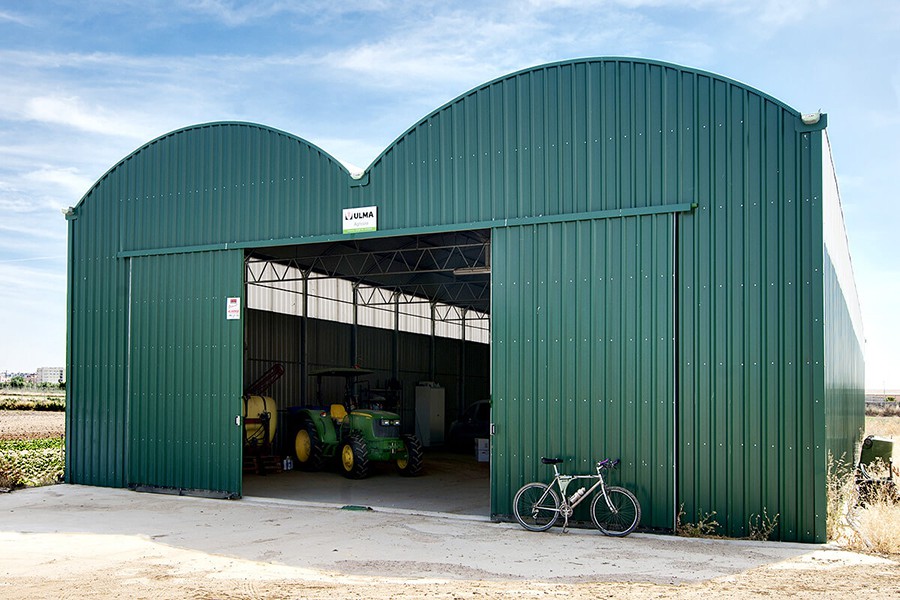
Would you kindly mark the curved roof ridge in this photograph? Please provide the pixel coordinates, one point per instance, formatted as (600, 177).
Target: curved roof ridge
(573, 61)
(182, 130)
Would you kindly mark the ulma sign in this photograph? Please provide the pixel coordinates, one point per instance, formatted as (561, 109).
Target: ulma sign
(360, 219)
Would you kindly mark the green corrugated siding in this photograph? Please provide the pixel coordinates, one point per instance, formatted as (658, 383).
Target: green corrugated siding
(752, 332)
(185, 372)
(96, 354)
(583, 356)
(562, 139)
(751, 406)
(225, 183)
(210, 184)
(844, 373)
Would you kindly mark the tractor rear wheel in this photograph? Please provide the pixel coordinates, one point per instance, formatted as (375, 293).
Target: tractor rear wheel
(308, 447)
(354, 456)
(412, 464)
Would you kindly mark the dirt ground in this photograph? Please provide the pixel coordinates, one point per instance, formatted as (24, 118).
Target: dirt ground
(85, 566)
(28, 424)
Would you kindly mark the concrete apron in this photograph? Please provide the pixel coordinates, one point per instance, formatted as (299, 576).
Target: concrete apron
(381, 542)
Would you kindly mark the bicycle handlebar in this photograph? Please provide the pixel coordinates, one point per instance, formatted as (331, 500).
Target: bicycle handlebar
(606, 463)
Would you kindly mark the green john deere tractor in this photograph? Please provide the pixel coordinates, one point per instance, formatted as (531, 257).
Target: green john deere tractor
(357, 435)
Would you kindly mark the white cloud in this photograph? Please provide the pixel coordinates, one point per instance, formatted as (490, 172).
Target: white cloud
(40, 232)
(17, 278)
(13, 18)
(234, 13)
(432, 54)
(349, 152)
(13, 200)
(879, 289)
(32, 314)
(73, 112)
(73, 184)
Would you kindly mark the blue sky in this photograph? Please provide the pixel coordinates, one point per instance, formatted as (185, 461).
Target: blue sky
(84, 83)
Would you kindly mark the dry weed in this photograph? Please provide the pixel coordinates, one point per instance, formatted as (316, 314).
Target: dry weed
(876, 525)
(883, 410)
(883, 426)
(762, 526)
(840, 483)
(705, 526)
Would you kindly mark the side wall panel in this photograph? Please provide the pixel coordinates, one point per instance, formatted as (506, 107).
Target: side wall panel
(844, 338)
(583, 356)
(844, 373)
(185, 376)
(97, 347)
(751, 396)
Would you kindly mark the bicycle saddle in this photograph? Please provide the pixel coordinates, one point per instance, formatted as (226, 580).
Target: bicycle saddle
(551, 461)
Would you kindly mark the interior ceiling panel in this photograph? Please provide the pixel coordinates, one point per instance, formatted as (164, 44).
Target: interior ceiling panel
(451, 268)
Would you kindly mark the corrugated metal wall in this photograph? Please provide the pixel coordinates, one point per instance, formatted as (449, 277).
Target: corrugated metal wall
(751, 406)
(583, 356)
(570, 142)
(844, 373)
(204, 187)
(185, 376)
(215, 184)
(96, 355)
(562, 139)
(844, 337)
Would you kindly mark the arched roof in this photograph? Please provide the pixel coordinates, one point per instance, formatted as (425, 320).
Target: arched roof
(566, 138)
(572, 62)
(199, 126)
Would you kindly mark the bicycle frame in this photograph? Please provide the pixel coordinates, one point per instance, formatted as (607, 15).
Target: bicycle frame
(562, 481)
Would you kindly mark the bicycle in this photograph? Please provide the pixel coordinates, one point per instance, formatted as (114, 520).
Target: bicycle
(615, 511)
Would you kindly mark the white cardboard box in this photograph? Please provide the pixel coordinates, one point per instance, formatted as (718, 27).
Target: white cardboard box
(483, 449)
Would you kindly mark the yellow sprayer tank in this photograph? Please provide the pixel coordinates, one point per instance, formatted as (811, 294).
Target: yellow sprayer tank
(253, 407)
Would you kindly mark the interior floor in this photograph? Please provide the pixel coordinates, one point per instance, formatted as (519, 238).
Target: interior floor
(450, 483)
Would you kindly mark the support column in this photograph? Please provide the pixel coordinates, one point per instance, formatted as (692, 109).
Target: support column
(304, 337)
(461, 407)
(432, 353)
(354, 328)
(395, 346)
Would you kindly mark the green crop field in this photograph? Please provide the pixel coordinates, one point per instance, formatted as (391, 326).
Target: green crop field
(36, 398)
(31, 462)
(32, 436)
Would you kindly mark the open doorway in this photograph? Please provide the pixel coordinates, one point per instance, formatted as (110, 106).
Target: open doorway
(381, 326)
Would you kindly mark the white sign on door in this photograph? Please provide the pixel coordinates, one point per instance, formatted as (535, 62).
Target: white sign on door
(233, 309)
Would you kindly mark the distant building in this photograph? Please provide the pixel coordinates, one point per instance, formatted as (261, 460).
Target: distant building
(50, 375)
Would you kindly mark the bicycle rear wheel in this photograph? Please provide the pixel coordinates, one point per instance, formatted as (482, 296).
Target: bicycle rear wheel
(536, 507)
(624, 516)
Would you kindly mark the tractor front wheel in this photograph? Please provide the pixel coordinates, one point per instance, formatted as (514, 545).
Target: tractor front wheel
(412, 464)
(308, 447)
(354, 457)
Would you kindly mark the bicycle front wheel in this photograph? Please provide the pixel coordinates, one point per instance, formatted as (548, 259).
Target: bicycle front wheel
(536, 507)
(620, 516)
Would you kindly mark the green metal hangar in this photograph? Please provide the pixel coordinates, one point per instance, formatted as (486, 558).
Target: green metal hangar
(669, 283)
